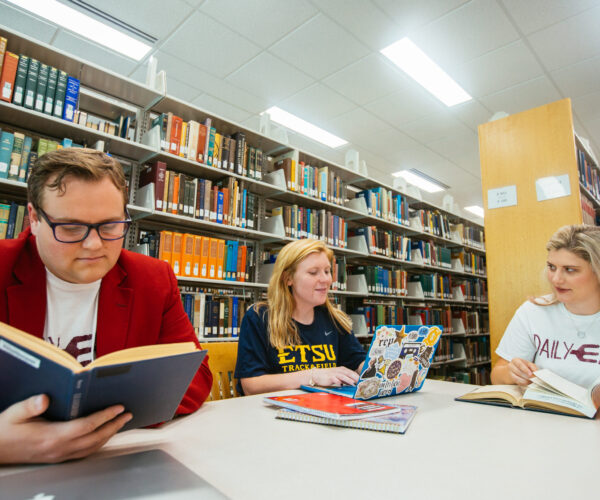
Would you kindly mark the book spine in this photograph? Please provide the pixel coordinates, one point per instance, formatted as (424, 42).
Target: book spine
(20, 80)
(31, 85)
(71, 98)
(42, 86)
(61, 90)
(50, 91)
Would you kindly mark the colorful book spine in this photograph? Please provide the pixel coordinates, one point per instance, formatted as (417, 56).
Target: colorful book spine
(7, 141)
(71, 98)
(31, 85)
(61, 91)
(19, 79)
(50, 90)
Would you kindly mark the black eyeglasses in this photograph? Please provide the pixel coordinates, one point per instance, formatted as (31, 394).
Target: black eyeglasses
(74, 232)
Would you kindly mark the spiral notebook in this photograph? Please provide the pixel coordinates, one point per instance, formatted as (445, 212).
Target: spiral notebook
(396, 422)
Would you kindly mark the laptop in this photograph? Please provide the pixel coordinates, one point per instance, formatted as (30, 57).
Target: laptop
(397, 362)
(147, 474)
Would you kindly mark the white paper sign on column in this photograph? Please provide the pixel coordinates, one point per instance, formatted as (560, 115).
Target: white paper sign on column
(551, 187)
(502, 197)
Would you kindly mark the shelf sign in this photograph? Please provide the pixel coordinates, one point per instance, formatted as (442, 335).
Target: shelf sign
(502, 197)
(551, 187)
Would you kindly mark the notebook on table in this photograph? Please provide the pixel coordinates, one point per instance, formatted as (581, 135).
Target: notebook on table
(147, 474)
(397, 362)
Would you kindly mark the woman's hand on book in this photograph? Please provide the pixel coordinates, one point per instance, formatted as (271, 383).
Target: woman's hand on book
(521, 371)
(336, 376)
(25, 437)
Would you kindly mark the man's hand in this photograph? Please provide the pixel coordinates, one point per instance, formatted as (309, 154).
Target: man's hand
(25, 437)
(336, 376)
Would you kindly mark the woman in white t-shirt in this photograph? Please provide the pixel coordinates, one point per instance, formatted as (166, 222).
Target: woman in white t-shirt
(560, 331)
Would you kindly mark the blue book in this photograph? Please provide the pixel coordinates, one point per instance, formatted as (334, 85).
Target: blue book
(220, 207)
(29, 365)
(7, 141)
(244, 204)
(71, 98)
(12, 219)
(234, 316)
(231, 264)
(67, 143)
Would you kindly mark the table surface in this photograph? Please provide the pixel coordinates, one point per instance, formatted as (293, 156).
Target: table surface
(451, 450)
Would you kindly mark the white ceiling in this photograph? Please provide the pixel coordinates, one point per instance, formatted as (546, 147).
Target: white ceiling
(320, 60)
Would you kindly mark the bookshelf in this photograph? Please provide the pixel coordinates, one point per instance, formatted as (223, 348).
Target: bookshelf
(109, 95)
(517, 151)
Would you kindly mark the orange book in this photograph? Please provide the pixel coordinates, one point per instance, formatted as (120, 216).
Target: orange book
(176, 126)
(201, 143)
(176, 255)
(187, 254)
(242, 251)
(197, 256)
(176, 179)
(165, 247)
(212, 258)
(183, 140)
(226, 206)
(204, 252)
(220, 259)
(9, 72)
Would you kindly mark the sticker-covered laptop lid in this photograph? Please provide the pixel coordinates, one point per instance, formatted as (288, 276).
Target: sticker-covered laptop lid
(398, 360)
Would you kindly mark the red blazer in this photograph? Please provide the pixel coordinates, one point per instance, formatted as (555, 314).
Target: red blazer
(139, 304)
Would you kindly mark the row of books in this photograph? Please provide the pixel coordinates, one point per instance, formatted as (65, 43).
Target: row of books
(214, 315)
(432, 254)
(478, 375)
(382, 280)
(196, 256)
(471, 262)
(18, 152)
(27, 82)
(13, 219)
(202, 143)
(225, 202)
(445, 350)
(589, 176)
(432, 316)
(432, 222)
(472, 322)
(320, 183)
(477, 349)
(470, 235)
(384, 242)
(319, 224)
(439, 286)
(588, 211)
(381, 314)
(386, 205)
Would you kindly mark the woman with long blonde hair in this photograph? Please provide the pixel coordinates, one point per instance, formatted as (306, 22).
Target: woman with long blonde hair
(561, 331)
(297, 337)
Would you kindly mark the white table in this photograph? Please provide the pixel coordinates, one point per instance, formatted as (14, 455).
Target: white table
(451, 450)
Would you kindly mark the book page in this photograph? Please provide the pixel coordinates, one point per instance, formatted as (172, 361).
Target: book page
(510, 393)
(563, 386)
(143, 352)
(535, 397)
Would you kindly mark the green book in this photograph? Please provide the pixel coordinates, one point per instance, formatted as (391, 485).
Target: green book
(25, 158)
(19, 220)
(20, 80)
(42, 85)
(42, 147)
(4, 213)
(61, 90)
(31, 85)
(50, 90)
(6, 146)
(15, 156)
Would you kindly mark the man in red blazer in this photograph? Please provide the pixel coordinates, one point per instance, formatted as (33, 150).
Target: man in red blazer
(68, 280)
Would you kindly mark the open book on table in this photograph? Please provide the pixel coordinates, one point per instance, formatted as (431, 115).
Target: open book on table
(149, 381)
(547, 392)
(324, 404)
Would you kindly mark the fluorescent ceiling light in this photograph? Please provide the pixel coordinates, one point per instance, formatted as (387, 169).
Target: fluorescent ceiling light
(475, 209)
(85, 26)
(303, 127)
(428, 185)
(413, 61)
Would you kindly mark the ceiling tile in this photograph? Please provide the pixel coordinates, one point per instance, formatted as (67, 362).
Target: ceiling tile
(455, 143)
(181, 90)
(434, 127)
(534, 15)
(304, 47)
(522, 97)
(465, 33)
(587, 107)
(409, 103)
(150, 17)
(210, 45)
(410, 16)
(578, 79)
(270, 78)
(568, 42)
(381, 142)
(217, 107)
(317, 104)
(263, 22)
(21, 22)
(352, 125)
(514, 63)
(364, 20)
(367, 79)
(93, 53)
(471, 113)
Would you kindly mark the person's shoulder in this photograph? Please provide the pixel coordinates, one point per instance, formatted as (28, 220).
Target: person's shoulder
(258, 312)
(137, 261)
(138, 267)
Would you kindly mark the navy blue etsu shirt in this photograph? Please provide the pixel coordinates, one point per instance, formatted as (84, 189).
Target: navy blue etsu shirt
(322, 345)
